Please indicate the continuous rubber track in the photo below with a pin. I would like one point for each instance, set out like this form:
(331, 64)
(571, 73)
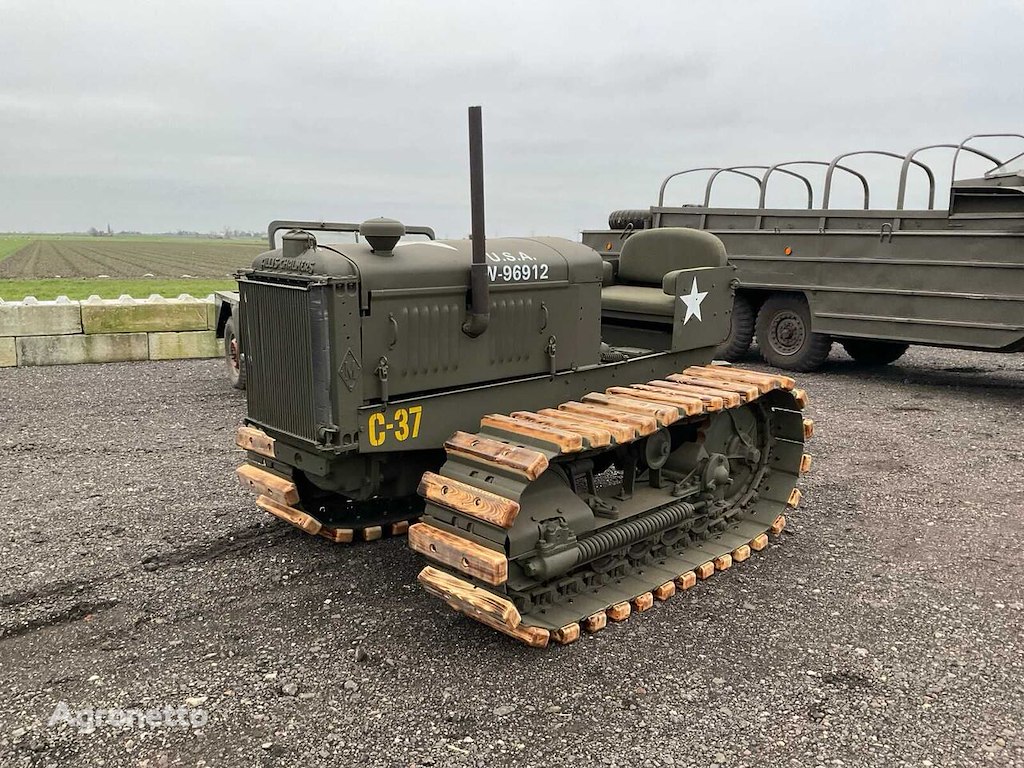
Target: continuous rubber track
(507, 481)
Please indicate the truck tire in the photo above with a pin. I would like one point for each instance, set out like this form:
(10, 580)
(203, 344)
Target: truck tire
(741, 331)
(871, 352)
(639, 218)
(784, 334)
(233, 355)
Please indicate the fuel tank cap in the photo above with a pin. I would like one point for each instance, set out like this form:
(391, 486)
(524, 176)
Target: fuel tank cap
(382, 234)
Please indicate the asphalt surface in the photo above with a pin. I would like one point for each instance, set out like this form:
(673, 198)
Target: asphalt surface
(886, 626)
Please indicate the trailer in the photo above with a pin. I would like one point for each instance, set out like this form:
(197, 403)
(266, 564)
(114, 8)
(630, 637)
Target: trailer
(228, 325)
(876, 280)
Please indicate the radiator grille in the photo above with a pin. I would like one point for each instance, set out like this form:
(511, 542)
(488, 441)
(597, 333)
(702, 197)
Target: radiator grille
(279, 374)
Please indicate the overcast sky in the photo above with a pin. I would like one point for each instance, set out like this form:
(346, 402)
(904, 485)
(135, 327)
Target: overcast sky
(199, 115)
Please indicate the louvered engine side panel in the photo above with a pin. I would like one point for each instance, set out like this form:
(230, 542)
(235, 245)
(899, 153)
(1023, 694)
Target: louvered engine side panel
(510, 320)
(431, 335)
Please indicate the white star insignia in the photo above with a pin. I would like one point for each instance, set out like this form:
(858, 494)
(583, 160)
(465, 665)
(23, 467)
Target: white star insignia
(692, 301)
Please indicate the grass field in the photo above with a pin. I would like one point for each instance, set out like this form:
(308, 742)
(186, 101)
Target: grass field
(123, 257)
(83, 288)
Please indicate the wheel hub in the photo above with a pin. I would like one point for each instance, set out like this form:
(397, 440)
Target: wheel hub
(717, 473)
(787, 333)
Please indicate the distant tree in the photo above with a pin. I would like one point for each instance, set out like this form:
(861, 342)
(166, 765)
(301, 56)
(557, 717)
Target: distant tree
(93, 232)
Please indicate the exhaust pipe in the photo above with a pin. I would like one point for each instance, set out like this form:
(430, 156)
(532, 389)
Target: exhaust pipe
(479, 291)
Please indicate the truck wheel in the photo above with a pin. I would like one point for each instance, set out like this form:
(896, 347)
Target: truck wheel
(870, 352)
(741, 331)
(233, 355)
(784, 334)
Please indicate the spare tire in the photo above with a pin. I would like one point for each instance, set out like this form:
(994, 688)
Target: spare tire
(635, 217)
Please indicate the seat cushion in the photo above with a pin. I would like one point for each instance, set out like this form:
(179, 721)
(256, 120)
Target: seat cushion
(638, 299)
(650, 254)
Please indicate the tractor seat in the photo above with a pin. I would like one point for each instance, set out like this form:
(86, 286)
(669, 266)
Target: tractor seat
(646, 258)
(637, 300)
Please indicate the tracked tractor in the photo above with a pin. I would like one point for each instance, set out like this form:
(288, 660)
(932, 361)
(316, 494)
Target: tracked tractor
(557, 481)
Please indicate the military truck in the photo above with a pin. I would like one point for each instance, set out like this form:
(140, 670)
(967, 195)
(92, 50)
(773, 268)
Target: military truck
(874, 279)
(559, 481)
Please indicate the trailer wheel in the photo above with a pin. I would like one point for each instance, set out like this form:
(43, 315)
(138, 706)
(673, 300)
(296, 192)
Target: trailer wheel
(741, 331)
(870, 352)
(233, 355)
(784, 334)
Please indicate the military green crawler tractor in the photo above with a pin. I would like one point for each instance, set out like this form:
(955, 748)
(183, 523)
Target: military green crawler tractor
(558, 481)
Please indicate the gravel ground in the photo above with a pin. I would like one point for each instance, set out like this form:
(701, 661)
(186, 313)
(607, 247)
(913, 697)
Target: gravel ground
(884, 628)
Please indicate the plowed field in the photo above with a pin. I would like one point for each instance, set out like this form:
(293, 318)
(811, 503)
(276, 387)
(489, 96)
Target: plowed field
(129, 257)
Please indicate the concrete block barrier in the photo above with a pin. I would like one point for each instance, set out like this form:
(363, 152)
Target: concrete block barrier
(128, 315)
(30, 317)
(83, 348)
(182, 345)
(8, 352)
(96, 330)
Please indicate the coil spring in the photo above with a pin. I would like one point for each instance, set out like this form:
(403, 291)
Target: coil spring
(632, 531)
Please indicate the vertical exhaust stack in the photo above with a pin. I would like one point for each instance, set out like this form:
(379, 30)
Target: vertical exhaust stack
(479, 290)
